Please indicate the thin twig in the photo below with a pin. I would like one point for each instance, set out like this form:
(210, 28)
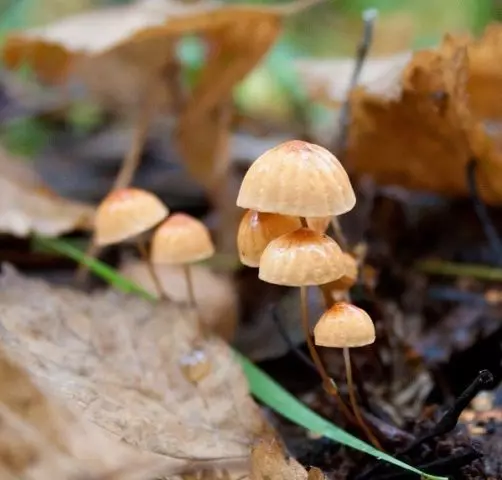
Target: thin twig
(482, 213)
(369, 17)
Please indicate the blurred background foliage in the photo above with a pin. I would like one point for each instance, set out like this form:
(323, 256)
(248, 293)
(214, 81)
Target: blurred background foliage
(331, 29)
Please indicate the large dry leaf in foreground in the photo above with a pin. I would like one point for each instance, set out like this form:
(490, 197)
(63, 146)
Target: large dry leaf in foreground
(133, 369)
(28, 206)
(425, 137)
(42, 439)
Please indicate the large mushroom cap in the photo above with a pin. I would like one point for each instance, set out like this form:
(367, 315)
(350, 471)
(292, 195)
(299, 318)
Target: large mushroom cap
(301, 258)
(257, 230)
(299, 179)
(126, 213)
(181, 239)
(344, 326)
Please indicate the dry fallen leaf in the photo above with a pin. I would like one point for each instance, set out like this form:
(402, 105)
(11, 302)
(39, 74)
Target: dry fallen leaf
(215, 293)
(268, 462)
(424, 138)
(42, 439)
(28, 206)
(118, 361)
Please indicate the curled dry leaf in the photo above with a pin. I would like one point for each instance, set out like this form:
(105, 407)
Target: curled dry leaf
(268, 462)
(117, 359)
(28, 206)
(425, 137)
(215, 294)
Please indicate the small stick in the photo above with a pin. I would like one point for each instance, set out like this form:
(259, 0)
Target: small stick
(482, 213)
(369, 17)
(353, 401)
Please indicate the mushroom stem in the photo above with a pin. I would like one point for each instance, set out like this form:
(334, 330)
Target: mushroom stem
(151, 270)
(353, 402)
(328, 383)
(338, 234)
(187, 270)
(82, 270)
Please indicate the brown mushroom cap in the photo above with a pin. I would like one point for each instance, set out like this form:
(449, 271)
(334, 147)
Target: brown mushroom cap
(344, 326)
(181, 239)
(319, 224)
(257, 230)
(126, 213)
(299, 179)
(301, 258)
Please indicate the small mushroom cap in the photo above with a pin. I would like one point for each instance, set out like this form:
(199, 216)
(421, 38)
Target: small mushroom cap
(319, 224)
(301, 258)
(299, 179)
(349, 278)
(181, 239)
(344, 326)
(126, 213)
(257, 230)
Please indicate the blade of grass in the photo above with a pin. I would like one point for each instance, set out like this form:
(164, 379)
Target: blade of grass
(438, 267)
(261, 385)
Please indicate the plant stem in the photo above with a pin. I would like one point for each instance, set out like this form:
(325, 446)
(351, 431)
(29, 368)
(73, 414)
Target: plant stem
(151, 270)
(82, 270)
(338, 234)
(187, 270)
(353, 401)
(328, 383)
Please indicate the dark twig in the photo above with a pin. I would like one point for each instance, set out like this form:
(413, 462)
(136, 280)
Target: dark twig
(369, 17)
(285, 336)
(447, 422)
(482, 213)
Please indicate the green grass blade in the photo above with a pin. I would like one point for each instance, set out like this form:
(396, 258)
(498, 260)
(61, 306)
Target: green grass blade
(261, 385)
(450, 269)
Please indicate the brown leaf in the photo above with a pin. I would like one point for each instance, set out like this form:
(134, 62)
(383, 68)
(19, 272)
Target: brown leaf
(215, 293)
(268, 462)
(118, 360)
(424, 138)
(28, 206)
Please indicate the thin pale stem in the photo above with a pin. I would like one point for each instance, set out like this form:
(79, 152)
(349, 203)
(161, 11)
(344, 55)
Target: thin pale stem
(338, 233)
(353, 401)
(143, 250)
(187, 270)
(328, 383)
(82, 270)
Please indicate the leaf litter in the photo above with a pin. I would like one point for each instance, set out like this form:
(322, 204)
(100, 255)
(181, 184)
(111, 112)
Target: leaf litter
(115, 363)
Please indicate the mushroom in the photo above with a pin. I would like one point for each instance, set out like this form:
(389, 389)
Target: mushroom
(346, 326)
(127, 213)
(303, 180)
(341, 285)
(182, 240)
(257, 230)
(319, 224)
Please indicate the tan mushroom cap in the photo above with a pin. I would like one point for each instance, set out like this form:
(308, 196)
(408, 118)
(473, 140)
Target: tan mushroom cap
(257, 230)
(301, 258)
(126, 213)
(349, 278)
(299, 179)
(344, 326)
(181, 239)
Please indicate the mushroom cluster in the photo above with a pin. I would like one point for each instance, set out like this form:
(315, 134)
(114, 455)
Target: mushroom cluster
(180, 239)
(291, 193)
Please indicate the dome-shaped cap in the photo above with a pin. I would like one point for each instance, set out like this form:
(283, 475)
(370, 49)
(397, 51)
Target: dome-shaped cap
(301, 258)
(257, 230)
(299, 179)
(344, 325)
(126, 213)
(181, 239)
